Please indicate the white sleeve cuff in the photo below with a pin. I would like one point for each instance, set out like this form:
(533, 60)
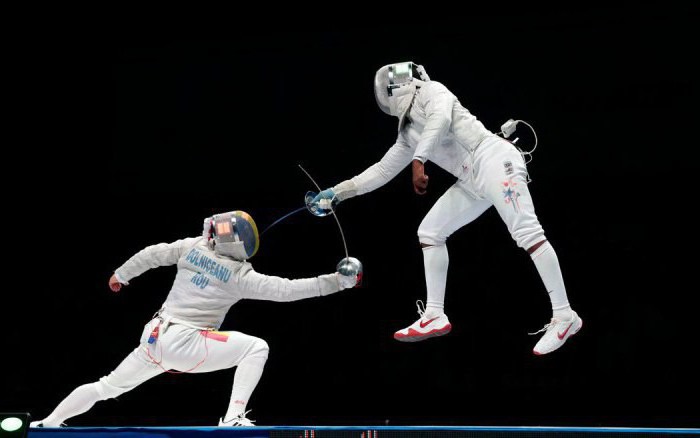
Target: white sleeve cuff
(119, 278)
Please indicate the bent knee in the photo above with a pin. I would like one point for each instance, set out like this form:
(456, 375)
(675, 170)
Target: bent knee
(429, 238)
(260, 348)
(525, 238)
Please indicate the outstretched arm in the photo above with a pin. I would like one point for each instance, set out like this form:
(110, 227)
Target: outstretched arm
(395, 159)
(162, 254)
(254, 285)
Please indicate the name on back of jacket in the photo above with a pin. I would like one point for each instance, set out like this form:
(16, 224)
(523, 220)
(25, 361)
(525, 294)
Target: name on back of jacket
(208, 265)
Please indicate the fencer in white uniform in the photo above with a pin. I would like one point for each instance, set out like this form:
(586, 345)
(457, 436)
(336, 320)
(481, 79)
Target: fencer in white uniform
(212, 275)
(490, 171)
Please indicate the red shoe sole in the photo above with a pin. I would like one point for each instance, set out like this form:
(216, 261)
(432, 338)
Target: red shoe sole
(414, 336)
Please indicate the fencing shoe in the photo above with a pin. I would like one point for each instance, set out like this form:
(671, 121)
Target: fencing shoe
(240, 420)
(556, 333)
(40, 423)
(426, 327)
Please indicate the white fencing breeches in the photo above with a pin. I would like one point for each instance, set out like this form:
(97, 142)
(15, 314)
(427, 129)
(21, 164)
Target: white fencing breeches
(497, 177)
(178, 348)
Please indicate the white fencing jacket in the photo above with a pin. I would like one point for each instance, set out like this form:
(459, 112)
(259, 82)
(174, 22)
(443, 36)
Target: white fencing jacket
(436, 128)
(207, 285)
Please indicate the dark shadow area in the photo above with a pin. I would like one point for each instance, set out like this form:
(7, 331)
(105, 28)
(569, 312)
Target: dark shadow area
(193, 126)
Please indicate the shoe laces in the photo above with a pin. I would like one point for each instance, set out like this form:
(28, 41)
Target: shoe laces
(243, 417)
(421, 308)
(546, 327)
(240, 417)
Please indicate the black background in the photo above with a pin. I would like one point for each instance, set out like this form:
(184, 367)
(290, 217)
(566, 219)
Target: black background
(171, 129)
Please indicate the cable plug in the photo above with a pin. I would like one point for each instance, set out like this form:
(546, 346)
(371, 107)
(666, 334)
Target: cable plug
(508, 128)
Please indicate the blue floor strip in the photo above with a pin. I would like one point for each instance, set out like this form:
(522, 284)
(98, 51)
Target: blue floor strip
(353, 431)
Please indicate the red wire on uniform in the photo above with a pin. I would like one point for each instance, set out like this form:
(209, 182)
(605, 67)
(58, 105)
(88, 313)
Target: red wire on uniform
(206, 354)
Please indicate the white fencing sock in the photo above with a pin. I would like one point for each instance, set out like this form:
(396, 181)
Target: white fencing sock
(79, 401)
(436, 261)
(247, 376)
(547, 263)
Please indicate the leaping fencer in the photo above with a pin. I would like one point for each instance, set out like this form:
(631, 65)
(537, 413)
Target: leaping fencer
(490, 171)
(213, 273)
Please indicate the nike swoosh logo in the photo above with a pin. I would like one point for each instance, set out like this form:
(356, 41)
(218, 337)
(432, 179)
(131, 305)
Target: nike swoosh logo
(561, 335)
(424, 324)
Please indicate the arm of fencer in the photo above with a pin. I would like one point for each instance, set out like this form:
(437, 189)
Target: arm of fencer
(256, 286)
(395, 159)
(438, 109)
(162, 254)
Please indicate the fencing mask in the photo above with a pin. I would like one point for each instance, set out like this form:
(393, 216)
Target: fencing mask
(233, 234)
(394, 86)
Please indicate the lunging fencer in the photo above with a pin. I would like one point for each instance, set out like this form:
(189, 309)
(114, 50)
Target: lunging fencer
(490, 171)
(213, 273)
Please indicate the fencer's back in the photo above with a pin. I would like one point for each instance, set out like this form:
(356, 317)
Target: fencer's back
(203, 289)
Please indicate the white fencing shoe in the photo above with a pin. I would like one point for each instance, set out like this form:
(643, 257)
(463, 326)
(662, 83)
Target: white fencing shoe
(240, 420)
(556, 333)
(424, 328)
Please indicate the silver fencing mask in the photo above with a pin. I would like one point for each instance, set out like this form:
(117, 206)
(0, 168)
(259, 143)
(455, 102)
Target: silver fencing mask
(394, 86)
